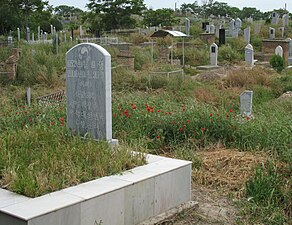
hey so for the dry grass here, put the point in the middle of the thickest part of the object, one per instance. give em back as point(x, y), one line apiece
point(246, 77)
point(227, 169)
point(205, 95)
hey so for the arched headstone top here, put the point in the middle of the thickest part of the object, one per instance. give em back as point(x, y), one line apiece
point(88, 91)
point(249, 46)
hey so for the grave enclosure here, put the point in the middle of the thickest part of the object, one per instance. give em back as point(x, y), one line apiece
point(125, 199)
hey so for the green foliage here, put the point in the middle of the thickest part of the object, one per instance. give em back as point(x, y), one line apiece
point(228, 54)
point(270, 196)
point(116, 14)
point(38, 155)
point(163, 17)
point(277, 62)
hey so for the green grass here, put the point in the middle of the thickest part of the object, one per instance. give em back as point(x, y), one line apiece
point(38, 155)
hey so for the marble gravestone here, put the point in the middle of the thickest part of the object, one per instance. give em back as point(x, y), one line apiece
point(275, 17)
point(212, 29)
point(27, 34)
point(217, 28)
point(88, 91)
point(249, 55)
point(188, 26)
point(213, 54)
point(18, 34)
point(285, 20)
point(279, 51)
point(272, 32)
point(238, 23)
point(231, 27)
point(247, 35)
point(282, 30)
point(246, 103)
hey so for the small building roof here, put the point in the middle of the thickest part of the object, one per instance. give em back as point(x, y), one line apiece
point(164, 33)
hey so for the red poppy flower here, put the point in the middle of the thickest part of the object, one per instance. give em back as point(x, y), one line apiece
point(158, 137)
point(52, 123)
point(231, 110)
point(181, 129)
point(188, 121)
point(134, 107)
point(115, 115)
point(203, 129)
point(159, 110)
point(211, 114)
point(148, 109)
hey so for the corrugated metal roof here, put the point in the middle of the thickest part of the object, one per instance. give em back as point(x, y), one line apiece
point(164, 33)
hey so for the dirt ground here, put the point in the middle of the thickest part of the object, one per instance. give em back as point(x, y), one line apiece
point(217, 186)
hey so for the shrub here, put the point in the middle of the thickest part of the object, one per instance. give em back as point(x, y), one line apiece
point(277, 62)
point(228, 54)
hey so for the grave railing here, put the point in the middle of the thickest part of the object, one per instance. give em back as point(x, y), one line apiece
point(52, 99)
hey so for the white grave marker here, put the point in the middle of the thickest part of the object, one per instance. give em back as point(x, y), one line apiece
point(249, 55)
point(279, 51)
point(247, 35)
point(88, 91)
point(213, 55)
point(246, 103)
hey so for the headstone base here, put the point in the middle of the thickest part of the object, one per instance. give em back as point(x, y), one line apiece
point(207, 67)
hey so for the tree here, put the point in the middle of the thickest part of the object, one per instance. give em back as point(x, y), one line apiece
point(118, 13)
point(164, 17)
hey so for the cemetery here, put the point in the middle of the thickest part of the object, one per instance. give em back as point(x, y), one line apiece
point(154, 117)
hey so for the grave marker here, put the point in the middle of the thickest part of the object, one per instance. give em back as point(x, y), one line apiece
point(88, 85)
point(212, 29)
point(279, 51)
point(282, 30)
point(249, 55)
point(246, 103)
point(27, 34)
point(18, 34)
point(285, 20)
point(272, 33)
point(213, 54)
point(222, 36)
point(188, 26)
point(247, 35)
point(275, 17)
point(231, 27)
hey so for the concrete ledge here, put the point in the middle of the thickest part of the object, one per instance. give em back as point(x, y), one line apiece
point(207, 67)
point(127, 199)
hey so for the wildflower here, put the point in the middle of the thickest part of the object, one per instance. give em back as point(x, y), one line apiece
point(247, 118)
point(23, 106)
point(158, 110)
point(203, 129)
point(30, 120)
point(211, 115)
point(16, 113)
point(61, 119)
point(230, 110)
point(158, 137)
point(152, 110)
point(188, 121)
point(148, 109)
point(52, 123)
point(115, 115)
point(181, 129)
point(134, 107)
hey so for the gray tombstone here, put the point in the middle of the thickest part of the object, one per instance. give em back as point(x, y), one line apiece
point(238, 23)
point(279, 51)
point(272, 33)
point(235, 33)
point(247, 35)
point(52, 30)
point(28, 96)
point(282, 30)
point(285, 20)
point(27, 34)
point(188, 26)
point(249, 55)
point(32, 37)
point(231, 27)
point(213, 54)
point(275, 17)
point(207, 28)
point(290, 46)
point(88, 91)
point(10, 40)
point(18, 34)
point(65, 38)
point(246, 103)
point(39, 33)
point(217, 28)
point(212, 29)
